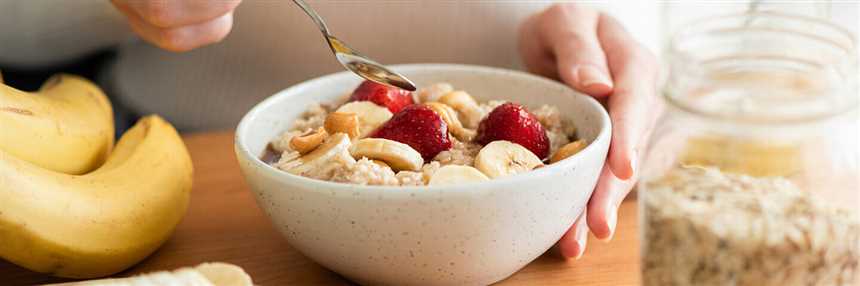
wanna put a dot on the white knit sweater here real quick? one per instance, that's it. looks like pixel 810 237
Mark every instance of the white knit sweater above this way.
pixel 273 45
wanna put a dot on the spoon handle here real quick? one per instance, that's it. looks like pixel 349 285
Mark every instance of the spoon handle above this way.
pixel 314 16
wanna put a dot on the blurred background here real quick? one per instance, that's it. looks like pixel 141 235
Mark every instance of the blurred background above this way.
pixel 273 45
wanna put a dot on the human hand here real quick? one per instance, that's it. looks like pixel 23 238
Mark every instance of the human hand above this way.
pixel 591 52
pixel 179 25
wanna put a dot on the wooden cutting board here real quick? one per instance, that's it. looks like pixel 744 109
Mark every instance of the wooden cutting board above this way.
pixel 224 224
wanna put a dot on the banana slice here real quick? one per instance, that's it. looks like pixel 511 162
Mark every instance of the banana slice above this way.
pixel 433 92
pixel 397 155
pixel 380 163
pixel 456 174
pixel 370 115
pixel 452 120
pixel 504 158
pixel 466 106
pixel 331 148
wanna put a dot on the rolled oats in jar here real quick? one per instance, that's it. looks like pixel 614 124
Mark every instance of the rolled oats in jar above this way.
pixel 752 173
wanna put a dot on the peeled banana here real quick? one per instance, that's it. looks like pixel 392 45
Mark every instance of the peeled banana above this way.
pixel 100 223
pixel 66 126
pixel 206 274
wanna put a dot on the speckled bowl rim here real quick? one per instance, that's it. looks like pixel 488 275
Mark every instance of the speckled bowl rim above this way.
pixel 466 189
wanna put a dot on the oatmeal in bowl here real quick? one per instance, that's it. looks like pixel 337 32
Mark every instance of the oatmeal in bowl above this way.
pixel 380 135
pixel 396 193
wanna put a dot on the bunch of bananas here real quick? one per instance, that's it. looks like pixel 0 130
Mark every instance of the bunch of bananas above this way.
pixel 71 203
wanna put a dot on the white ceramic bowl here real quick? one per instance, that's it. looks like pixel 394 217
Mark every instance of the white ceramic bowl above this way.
pixel 470 234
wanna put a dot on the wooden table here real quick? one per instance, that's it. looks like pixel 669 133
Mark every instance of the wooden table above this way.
pixel 224 224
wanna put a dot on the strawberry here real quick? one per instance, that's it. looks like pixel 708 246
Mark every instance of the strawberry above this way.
pixel 419 127
pixel 392 98
pixel 512 122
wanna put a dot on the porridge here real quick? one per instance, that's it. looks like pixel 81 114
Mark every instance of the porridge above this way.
pixel 434 136
pixel 707 227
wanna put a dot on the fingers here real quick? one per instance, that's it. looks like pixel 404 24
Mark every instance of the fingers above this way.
pixel 536 57
pixel 179 25
pixel 579 57
pixel 572 244
pixel 603 206
pixel 633 106
pixel 563 44
pixel 172 14
pixel 583 48
pixel 184 38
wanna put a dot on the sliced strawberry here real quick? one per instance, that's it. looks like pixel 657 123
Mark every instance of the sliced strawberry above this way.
pixel 512 122
pixel 419 127
pixel 392 98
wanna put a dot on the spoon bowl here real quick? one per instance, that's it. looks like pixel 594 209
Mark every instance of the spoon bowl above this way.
pixel 354 61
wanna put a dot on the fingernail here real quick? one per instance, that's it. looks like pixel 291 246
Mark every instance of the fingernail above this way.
pixel 634 161
pixel 582 241
pixel 611 222
pixel 592 78
pixel 626 172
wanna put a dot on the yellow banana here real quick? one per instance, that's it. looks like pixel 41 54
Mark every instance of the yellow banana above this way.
pixel 66 126
pixel 102 222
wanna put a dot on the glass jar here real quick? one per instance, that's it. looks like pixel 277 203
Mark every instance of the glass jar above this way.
pixel 679 14
pixel 751 176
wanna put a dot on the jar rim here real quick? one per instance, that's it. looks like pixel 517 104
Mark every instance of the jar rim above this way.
pixel 834 36
pixel 695 27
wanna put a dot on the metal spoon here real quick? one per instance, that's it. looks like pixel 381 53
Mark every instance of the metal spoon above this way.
pixel 355 62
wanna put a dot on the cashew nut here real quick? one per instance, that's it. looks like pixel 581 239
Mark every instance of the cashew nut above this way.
pixel 309 141
pixel 344 123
